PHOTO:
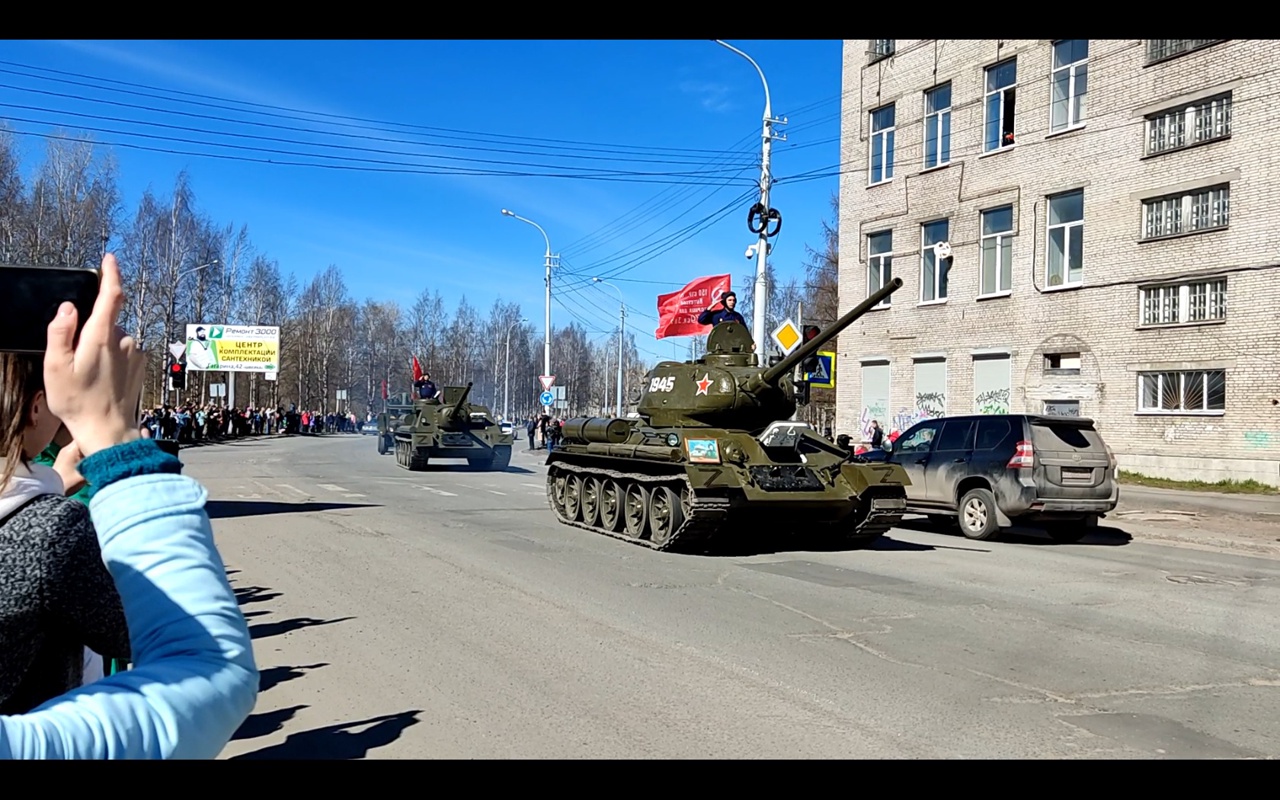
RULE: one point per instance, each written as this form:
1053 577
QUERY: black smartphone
30 297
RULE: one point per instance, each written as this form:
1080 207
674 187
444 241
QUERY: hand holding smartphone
29 299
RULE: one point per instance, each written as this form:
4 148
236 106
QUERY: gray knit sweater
56 598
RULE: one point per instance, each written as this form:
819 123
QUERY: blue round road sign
547 398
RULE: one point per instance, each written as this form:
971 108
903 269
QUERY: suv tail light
1024 458
1111 457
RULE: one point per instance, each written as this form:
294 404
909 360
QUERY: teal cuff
139 457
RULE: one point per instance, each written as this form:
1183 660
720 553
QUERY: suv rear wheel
978 514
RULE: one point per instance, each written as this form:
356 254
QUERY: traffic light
810 364
177 376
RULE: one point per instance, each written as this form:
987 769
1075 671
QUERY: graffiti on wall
876 411
931 404
1257 440
992 401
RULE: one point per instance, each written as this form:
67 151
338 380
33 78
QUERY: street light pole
506 382
622 328
546 345
761 302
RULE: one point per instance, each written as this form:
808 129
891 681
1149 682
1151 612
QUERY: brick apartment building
1111 248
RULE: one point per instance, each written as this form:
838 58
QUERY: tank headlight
673 439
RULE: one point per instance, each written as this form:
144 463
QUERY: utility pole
760 304
622 330
799 373
546 346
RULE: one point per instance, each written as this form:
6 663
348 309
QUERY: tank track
869 527
702 516
413 462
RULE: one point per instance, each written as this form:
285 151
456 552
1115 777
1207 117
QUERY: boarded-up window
931 388
991 384
875 396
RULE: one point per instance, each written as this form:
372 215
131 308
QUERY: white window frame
1165 49
887 141
881 48
986 107
1182 376
926 251
1191 303
1073 229
1000 239
882 263
1204 121
1197 211
942 120
1075 71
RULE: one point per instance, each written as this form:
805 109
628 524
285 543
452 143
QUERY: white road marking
492 491
437 491
287 486
533 485
353 494
331 487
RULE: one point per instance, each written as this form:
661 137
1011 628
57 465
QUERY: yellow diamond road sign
787 336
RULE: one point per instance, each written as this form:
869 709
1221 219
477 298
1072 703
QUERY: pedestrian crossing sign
824 377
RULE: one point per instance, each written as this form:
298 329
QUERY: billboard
233 348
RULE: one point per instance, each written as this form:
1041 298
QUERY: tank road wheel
666 515
382 445
555 491
635 510
612 500
591 489
572 497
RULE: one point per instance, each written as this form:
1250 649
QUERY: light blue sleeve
194 681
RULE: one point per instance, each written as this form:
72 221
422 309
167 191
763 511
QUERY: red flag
417 370
384 390
678 311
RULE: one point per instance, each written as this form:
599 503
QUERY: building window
1002 89
882 129
997 251
1162 49
1207 120
875 398
1062 408
937 126
1201 210
1193 392
1066 239
991 382
1181 304
1062 363
931 389
881 48
1070 83
879 263
933 270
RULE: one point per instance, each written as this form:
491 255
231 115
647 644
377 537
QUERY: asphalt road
446 615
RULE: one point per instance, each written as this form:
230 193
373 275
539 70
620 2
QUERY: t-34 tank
715 455
448 426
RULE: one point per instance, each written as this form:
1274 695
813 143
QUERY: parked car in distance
994 471
369 428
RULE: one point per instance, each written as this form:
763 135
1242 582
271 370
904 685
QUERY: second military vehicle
714 454
447 426
389 420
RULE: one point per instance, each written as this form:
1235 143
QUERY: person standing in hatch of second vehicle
728 302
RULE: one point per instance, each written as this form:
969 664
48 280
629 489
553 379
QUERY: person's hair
23 379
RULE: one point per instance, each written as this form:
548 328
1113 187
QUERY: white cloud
714 96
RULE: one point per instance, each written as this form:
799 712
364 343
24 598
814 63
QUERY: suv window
1052 436
992 431
919 439
957 434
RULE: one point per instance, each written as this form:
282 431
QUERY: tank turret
725 388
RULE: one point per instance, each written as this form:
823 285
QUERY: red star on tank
704 384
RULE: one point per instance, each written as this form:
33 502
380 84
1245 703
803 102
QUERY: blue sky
642 107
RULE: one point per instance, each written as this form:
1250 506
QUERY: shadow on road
264 630
337 742
274 676
266 722
1102 536
750 544
223 509
254 594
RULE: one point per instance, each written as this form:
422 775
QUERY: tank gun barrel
774 373
457 407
